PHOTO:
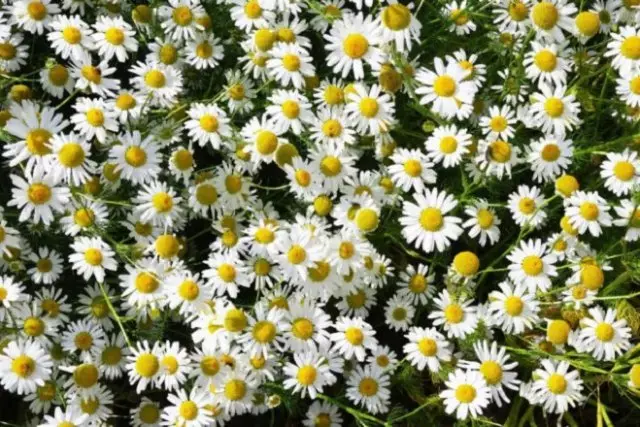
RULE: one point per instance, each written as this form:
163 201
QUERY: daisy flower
352 42
146 414
551 17
114 37
546 63
457 317
57 80
369 387
514 308
588 211
94 77
483 221
180 21
291 110
369 110
204 52
399 25
399 313
289 64
158 204
415 284
307 375
322 412
526 206
91 257
38 196
188 410
187 293
306 327
554 111
264 332
234 390
447 145
446 89
226 274
411 169
550 157
427 348
127 105
72 163
499 123
162 83
203 198
250 14
603 336
84 337
34 15
629 214
166 51
207 124
532 265
263 138
459 16
467 394
425 223
333 165
144 284
143 365
14 53
136 159
621 172
69 416
239 92
624 48
497 158
512 16
93 305
353 337
556 388
628 89
93 119
174 366
70 36
13 294
24 365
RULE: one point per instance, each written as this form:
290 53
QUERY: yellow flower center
418 284
491 371
182 16
604 332
567 184
206 194
84 217
366 219
236 92
93 256
149 414
7 51
36 10
264 235
413 168
168 54
72 35
83 341
264 331
465 393
428 347
302 328
518 11
357 299
545 15
188 290
431 219
235 320
527 205
630 47
110 173
266 142
204 50
188 410
485 218
399 314
115 36
147 365
466 263
396 17
170 363
307 375
23 366
513 305
233 183
155 79
227 272
58 74
355 45
210 365
322 205
264 39
453 313
589 211
296 254
50 307
162 202
558 331
39 194
99 307
291 109
588 23
291 62
459 17
183 159
167 246
634 85
91 73
209 123
95 117
550 152
86 375
634 375
235 389
142 14
33 326
354 335
71 155
624 170
444 86
330 166
532 265
333 95
554 107
303 178
368 387
500 151
252 9
37 141
46 392
146 283
557 384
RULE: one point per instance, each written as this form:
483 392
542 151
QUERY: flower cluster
378 210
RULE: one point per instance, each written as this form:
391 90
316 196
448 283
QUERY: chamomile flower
467 394
24 365
204 52
144 365
483 222
290 110
94 306
93 119
158 203
34 15
239 92
146 414
399 25
207 124
514 308
621 172
370 110
289 64
161 83
186 292
94 77
554 111
458 14
70 36
588 211
532 265
333 165
136 159
71 159
527 206
84 337
234 390
251 14
67 417
551 17
369 387
353 337
307 375
188 410
14 53
322 412
556 388
180 19
264 332
447 145
446 89
144 284
38 196
114 37
56 80
427 347
512 16
306 327
624 49
426 224
549 157
497 158
226 274
234 186
629 217
628 88
416 284
13 295
174 366
263 138
298 251
411 169
602 335
352 42
546 63
91 257
457 317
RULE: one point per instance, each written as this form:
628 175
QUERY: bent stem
114 313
